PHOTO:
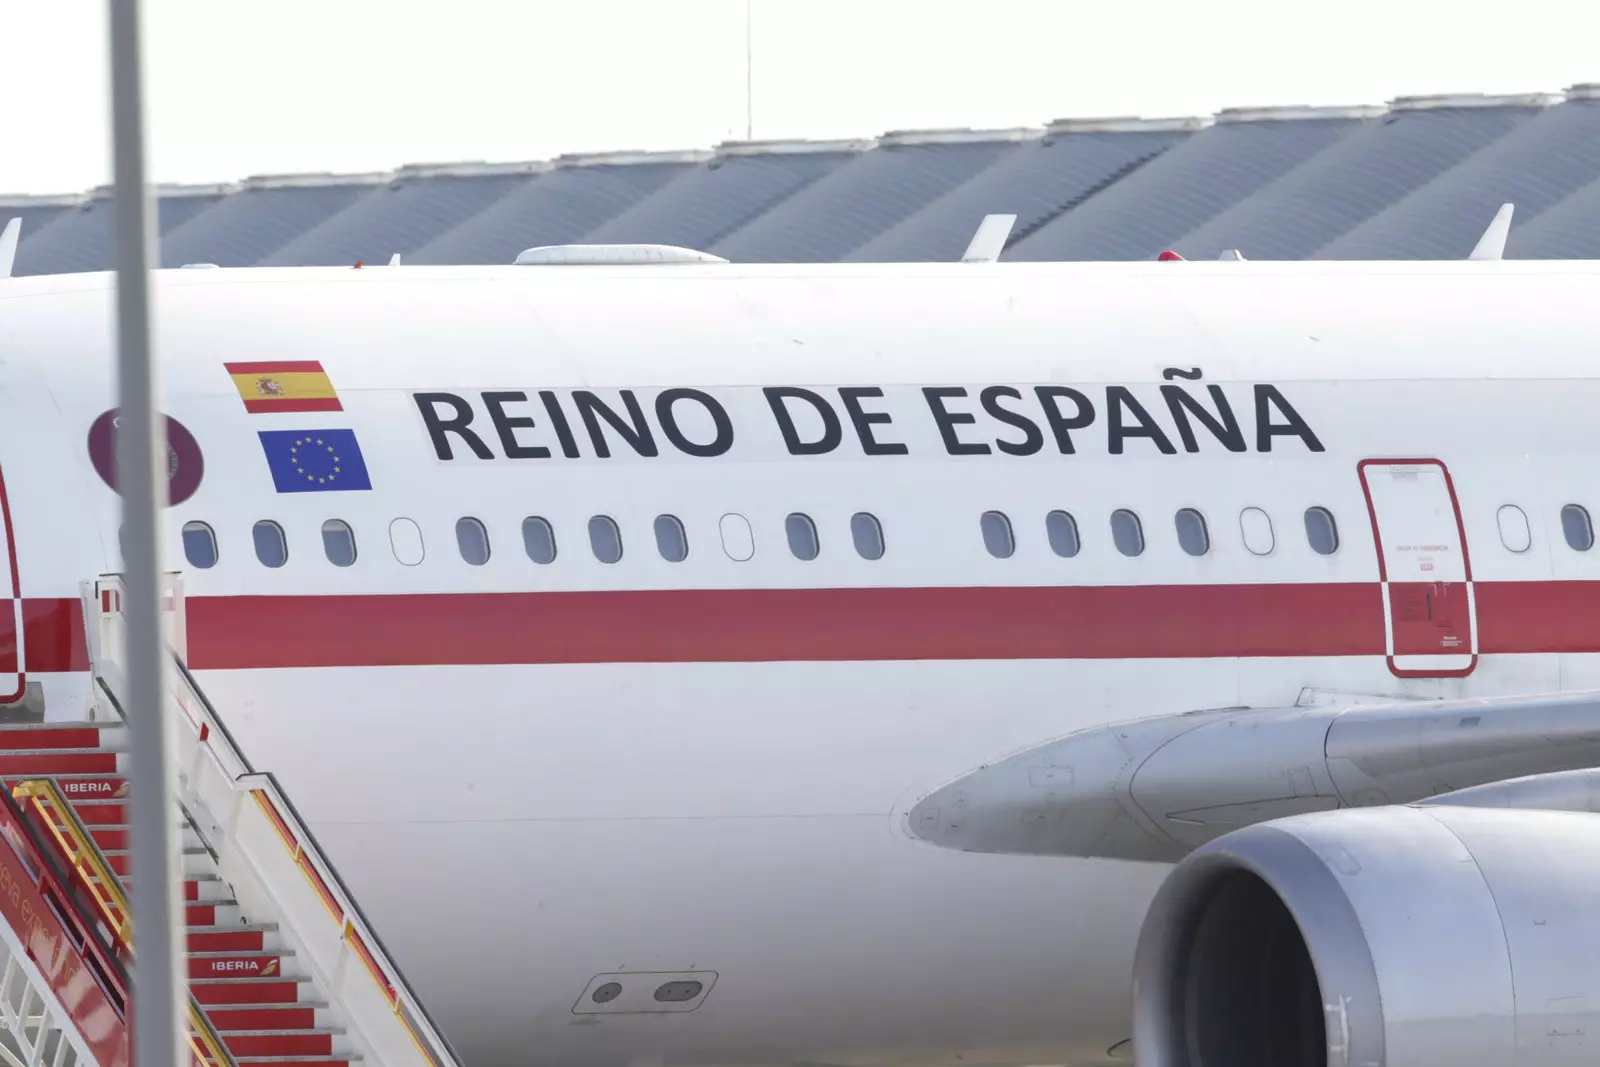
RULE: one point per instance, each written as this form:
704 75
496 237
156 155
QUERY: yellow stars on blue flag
314 461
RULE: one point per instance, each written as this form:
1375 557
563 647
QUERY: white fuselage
534 773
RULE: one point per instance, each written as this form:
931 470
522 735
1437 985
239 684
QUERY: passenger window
1574 523
538 539
737 540
1255 526
271 548
997 537
671 541
605 539
339 542
1193 537
1062 531
802 534
1321 531
1127 533
199 545
867 533
405 540
473 541
1513 523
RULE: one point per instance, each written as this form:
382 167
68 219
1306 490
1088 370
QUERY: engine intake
1390 937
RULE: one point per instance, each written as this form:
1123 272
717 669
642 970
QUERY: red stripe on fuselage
761 625
756 625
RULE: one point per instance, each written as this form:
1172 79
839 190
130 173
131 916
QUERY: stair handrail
212 754
83 853
79 931
213 737
80 851
319 870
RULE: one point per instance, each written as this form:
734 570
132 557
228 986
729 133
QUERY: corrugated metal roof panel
1037 182
717 197
81 239
1568 230
1354 179
417 206
1535 166
36 212
1216 168
264 215
575 196
867 195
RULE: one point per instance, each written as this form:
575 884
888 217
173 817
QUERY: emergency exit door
1426 575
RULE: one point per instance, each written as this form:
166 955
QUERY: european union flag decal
314 461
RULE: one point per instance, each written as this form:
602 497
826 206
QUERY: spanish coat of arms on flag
284 385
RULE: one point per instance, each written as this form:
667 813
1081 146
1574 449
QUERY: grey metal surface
142 482
1159 787
1414 144
1313 205
81 238
1418 179
1157 204
262 216
1571 228
1537 165
36 212
1073 161
417 205
576 195
856 202
724 193
1399 935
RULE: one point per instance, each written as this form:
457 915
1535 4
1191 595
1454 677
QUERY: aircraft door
1426 575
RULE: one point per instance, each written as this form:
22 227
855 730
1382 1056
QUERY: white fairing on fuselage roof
533 774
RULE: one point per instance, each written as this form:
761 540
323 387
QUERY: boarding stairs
283 969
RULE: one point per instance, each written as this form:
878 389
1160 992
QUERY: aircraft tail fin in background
989 240
1492 245
8 246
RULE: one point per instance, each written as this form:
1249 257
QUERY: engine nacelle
1425 936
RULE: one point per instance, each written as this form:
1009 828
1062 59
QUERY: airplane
874 641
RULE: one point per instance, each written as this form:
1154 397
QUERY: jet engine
1405 936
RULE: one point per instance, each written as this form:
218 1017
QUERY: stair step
101 812
301 1016
247 990
117 859
307 1061
306 1042
51 735
204 914
109 837
45 762
236 937
236 964
192 888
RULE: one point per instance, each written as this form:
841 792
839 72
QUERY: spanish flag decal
290 385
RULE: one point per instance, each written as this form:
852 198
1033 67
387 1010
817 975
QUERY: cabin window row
1127 532
604 535
1515 534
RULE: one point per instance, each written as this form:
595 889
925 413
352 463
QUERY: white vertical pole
749 76
141 452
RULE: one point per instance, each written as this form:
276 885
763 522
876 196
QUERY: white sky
240 87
